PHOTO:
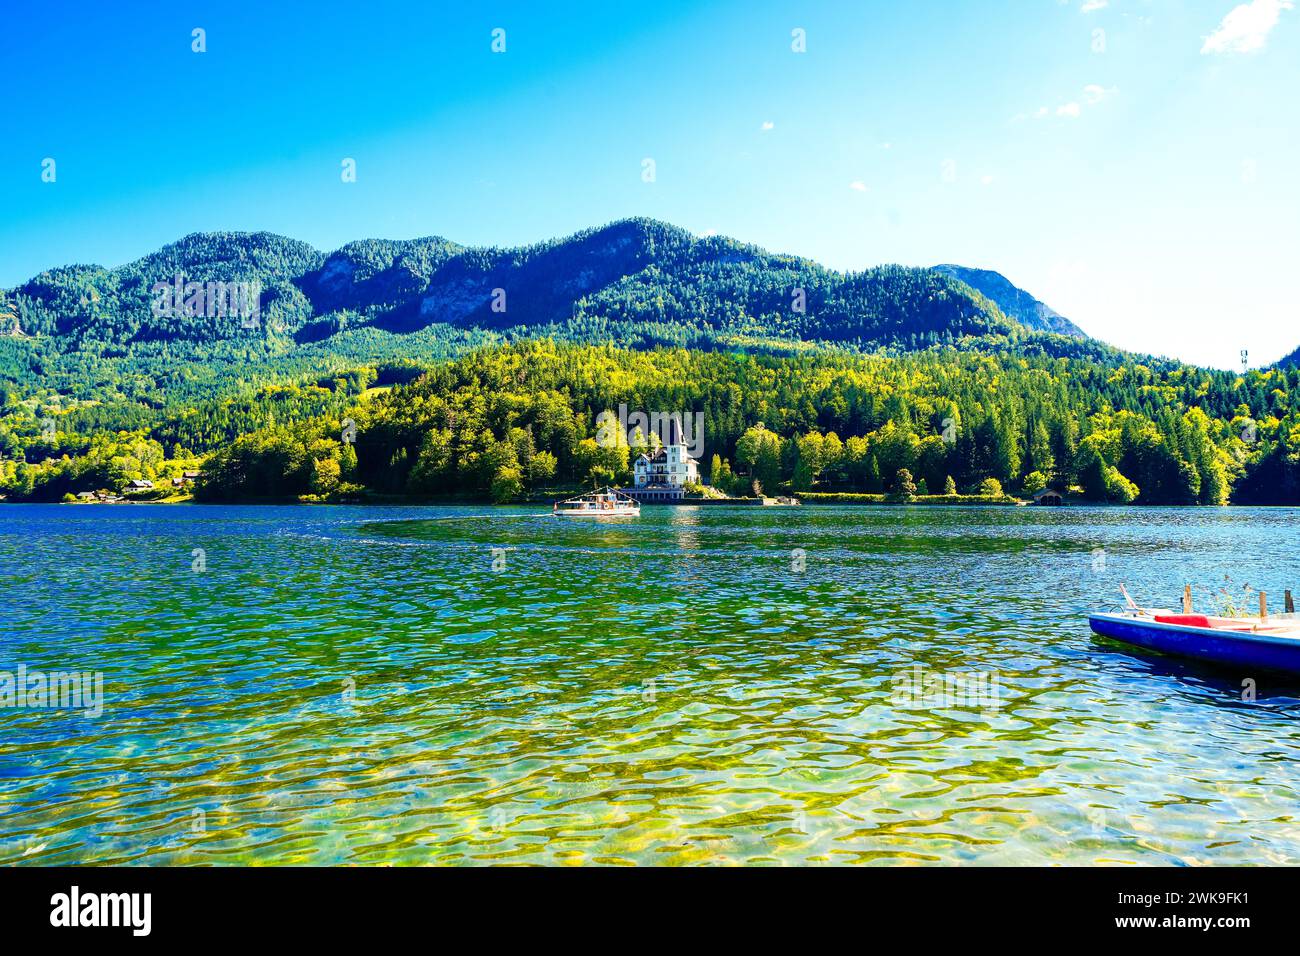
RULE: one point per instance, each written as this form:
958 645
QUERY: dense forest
87 346
503 420
424 368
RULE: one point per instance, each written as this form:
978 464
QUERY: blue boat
1246 643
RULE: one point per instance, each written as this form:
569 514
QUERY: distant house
190 475
663 476
86 495
140 484
1048 496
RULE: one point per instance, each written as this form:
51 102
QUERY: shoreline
817 500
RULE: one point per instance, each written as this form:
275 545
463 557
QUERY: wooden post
1263 606
1290 603
1187 599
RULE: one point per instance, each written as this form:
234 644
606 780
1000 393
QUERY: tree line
507 420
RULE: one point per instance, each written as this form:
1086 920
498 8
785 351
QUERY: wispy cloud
1093 94
1090 5
1246 27
858 186
768 124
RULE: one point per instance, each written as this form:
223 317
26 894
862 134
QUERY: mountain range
433 350
638 282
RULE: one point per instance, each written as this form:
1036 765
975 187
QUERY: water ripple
701 686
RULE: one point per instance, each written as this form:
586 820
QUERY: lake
821 685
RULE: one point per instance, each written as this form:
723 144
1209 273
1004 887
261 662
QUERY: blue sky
1141 180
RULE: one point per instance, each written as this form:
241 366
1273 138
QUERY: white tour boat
610 503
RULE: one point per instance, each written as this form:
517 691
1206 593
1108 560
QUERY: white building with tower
662 476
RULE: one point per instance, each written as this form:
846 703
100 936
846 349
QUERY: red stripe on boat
1187 620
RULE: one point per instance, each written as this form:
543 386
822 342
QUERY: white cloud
1094 93
1246 27
768 124
858 185
986 180
1091 5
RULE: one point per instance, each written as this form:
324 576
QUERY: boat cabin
610 503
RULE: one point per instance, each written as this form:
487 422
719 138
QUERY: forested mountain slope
637 279
1015 302
99 385
86 335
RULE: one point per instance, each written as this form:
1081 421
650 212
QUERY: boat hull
609 503
1235 649
597 514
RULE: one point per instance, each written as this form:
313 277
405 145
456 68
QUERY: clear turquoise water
359 685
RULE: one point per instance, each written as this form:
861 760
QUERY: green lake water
697 686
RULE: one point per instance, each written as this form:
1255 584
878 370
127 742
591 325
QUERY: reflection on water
374 685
